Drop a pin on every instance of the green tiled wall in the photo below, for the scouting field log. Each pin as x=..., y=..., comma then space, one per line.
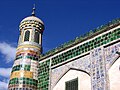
x=30, y=56
x=43, y=78
x=43, y=72
x=101, y=40
x=18, y=67
x=27, y=81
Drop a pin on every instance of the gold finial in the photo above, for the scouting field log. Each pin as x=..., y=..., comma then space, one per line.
x=33, y=12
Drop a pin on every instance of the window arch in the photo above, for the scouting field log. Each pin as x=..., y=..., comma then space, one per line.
x=36, y=37
x=27, y=35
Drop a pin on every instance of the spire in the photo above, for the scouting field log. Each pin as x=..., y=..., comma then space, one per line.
x=33, y=12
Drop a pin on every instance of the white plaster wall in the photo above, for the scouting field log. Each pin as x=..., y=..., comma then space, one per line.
x=114, y=76
x=84, y=81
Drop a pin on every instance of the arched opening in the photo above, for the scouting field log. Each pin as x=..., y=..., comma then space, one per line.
x=114, y=75
x=36, y=37
x=27, y=35
x=76, y=80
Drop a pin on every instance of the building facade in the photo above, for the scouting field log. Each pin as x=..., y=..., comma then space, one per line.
x=80, y=64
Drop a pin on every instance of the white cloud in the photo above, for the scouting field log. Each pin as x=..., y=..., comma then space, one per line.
x=5, y=72
x=3, y=84
x=8, y=51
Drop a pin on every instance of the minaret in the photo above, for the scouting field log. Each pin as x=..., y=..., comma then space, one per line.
x=24, y=71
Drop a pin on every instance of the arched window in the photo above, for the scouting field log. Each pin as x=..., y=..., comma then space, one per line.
x=36, y=37
x=27, y=35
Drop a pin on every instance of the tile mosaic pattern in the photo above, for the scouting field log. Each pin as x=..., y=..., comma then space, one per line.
x=24, y=75
x=100, y=30
x=25, y=71
x=43, y=75
x=98, y=69
x=111, y=55
x=88, y=46
x=96, y=64
x=57, y=73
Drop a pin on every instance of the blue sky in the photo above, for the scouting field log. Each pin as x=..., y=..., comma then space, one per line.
x=64, y=20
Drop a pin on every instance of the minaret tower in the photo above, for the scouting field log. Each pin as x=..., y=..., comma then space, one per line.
x=25, y=69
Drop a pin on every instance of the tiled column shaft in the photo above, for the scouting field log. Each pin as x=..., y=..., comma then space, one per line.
x=98, y=70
